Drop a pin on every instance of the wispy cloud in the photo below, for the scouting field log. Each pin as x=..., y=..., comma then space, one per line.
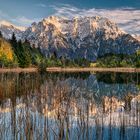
x=41, y=5
x=4, y=15
x=127, y=18
x=24, y=21
x=19, y=20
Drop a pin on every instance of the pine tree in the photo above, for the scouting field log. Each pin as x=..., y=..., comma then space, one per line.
x=1, y=36
x=26, y=41
x=13, y=41
x=27, y=53
x=20, y=54
x=14, y=38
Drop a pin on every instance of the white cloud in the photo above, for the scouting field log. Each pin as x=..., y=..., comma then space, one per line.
x=127, y=18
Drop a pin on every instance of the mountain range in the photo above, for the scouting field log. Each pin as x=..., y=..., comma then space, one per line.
x=8, y=28
x=79, y=37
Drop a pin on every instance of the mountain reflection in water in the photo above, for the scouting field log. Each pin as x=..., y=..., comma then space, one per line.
x=74, y=106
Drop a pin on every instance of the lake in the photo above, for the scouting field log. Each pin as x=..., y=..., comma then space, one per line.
x=70, y=106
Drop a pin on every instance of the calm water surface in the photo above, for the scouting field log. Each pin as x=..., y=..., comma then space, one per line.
x=74, y=106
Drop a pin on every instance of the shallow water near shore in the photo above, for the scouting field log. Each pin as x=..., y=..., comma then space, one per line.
x=70, y=106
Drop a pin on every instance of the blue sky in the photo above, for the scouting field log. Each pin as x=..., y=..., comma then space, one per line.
x=24, y=12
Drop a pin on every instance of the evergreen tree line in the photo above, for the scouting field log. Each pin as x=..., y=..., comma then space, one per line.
x=26, y=56
x=119, y=60
x=23, y=54
x=16, y=53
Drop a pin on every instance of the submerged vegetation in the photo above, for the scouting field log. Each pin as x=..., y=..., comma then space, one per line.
x=71, y=106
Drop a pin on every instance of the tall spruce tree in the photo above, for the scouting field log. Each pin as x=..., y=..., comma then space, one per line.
x=27, y=53
x=21, y=52
x=1, y=36
x=14, y=41
x=23, y=55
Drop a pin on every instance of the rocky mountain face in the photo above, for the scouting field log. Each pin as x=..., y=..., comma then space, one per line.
x=80, y=37
x=87, y=37
x=7, y=30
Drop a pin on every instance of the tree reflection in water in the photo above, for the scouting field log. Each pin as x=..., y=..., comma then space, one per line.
x=69, y=106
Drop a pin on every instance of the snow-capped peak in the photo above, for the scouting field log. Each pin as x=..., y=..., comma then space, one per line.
x=87, y=37
x=6, y=23
x=8, y=29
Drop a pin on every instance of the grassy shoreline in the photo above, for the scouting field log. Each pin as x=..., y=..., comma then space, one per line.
x=67, y=69
x=88, y=69
x=17, y=70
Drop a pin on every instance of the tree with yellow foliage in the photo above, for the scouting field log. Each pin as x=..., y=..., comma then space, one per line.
x=6, y=54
